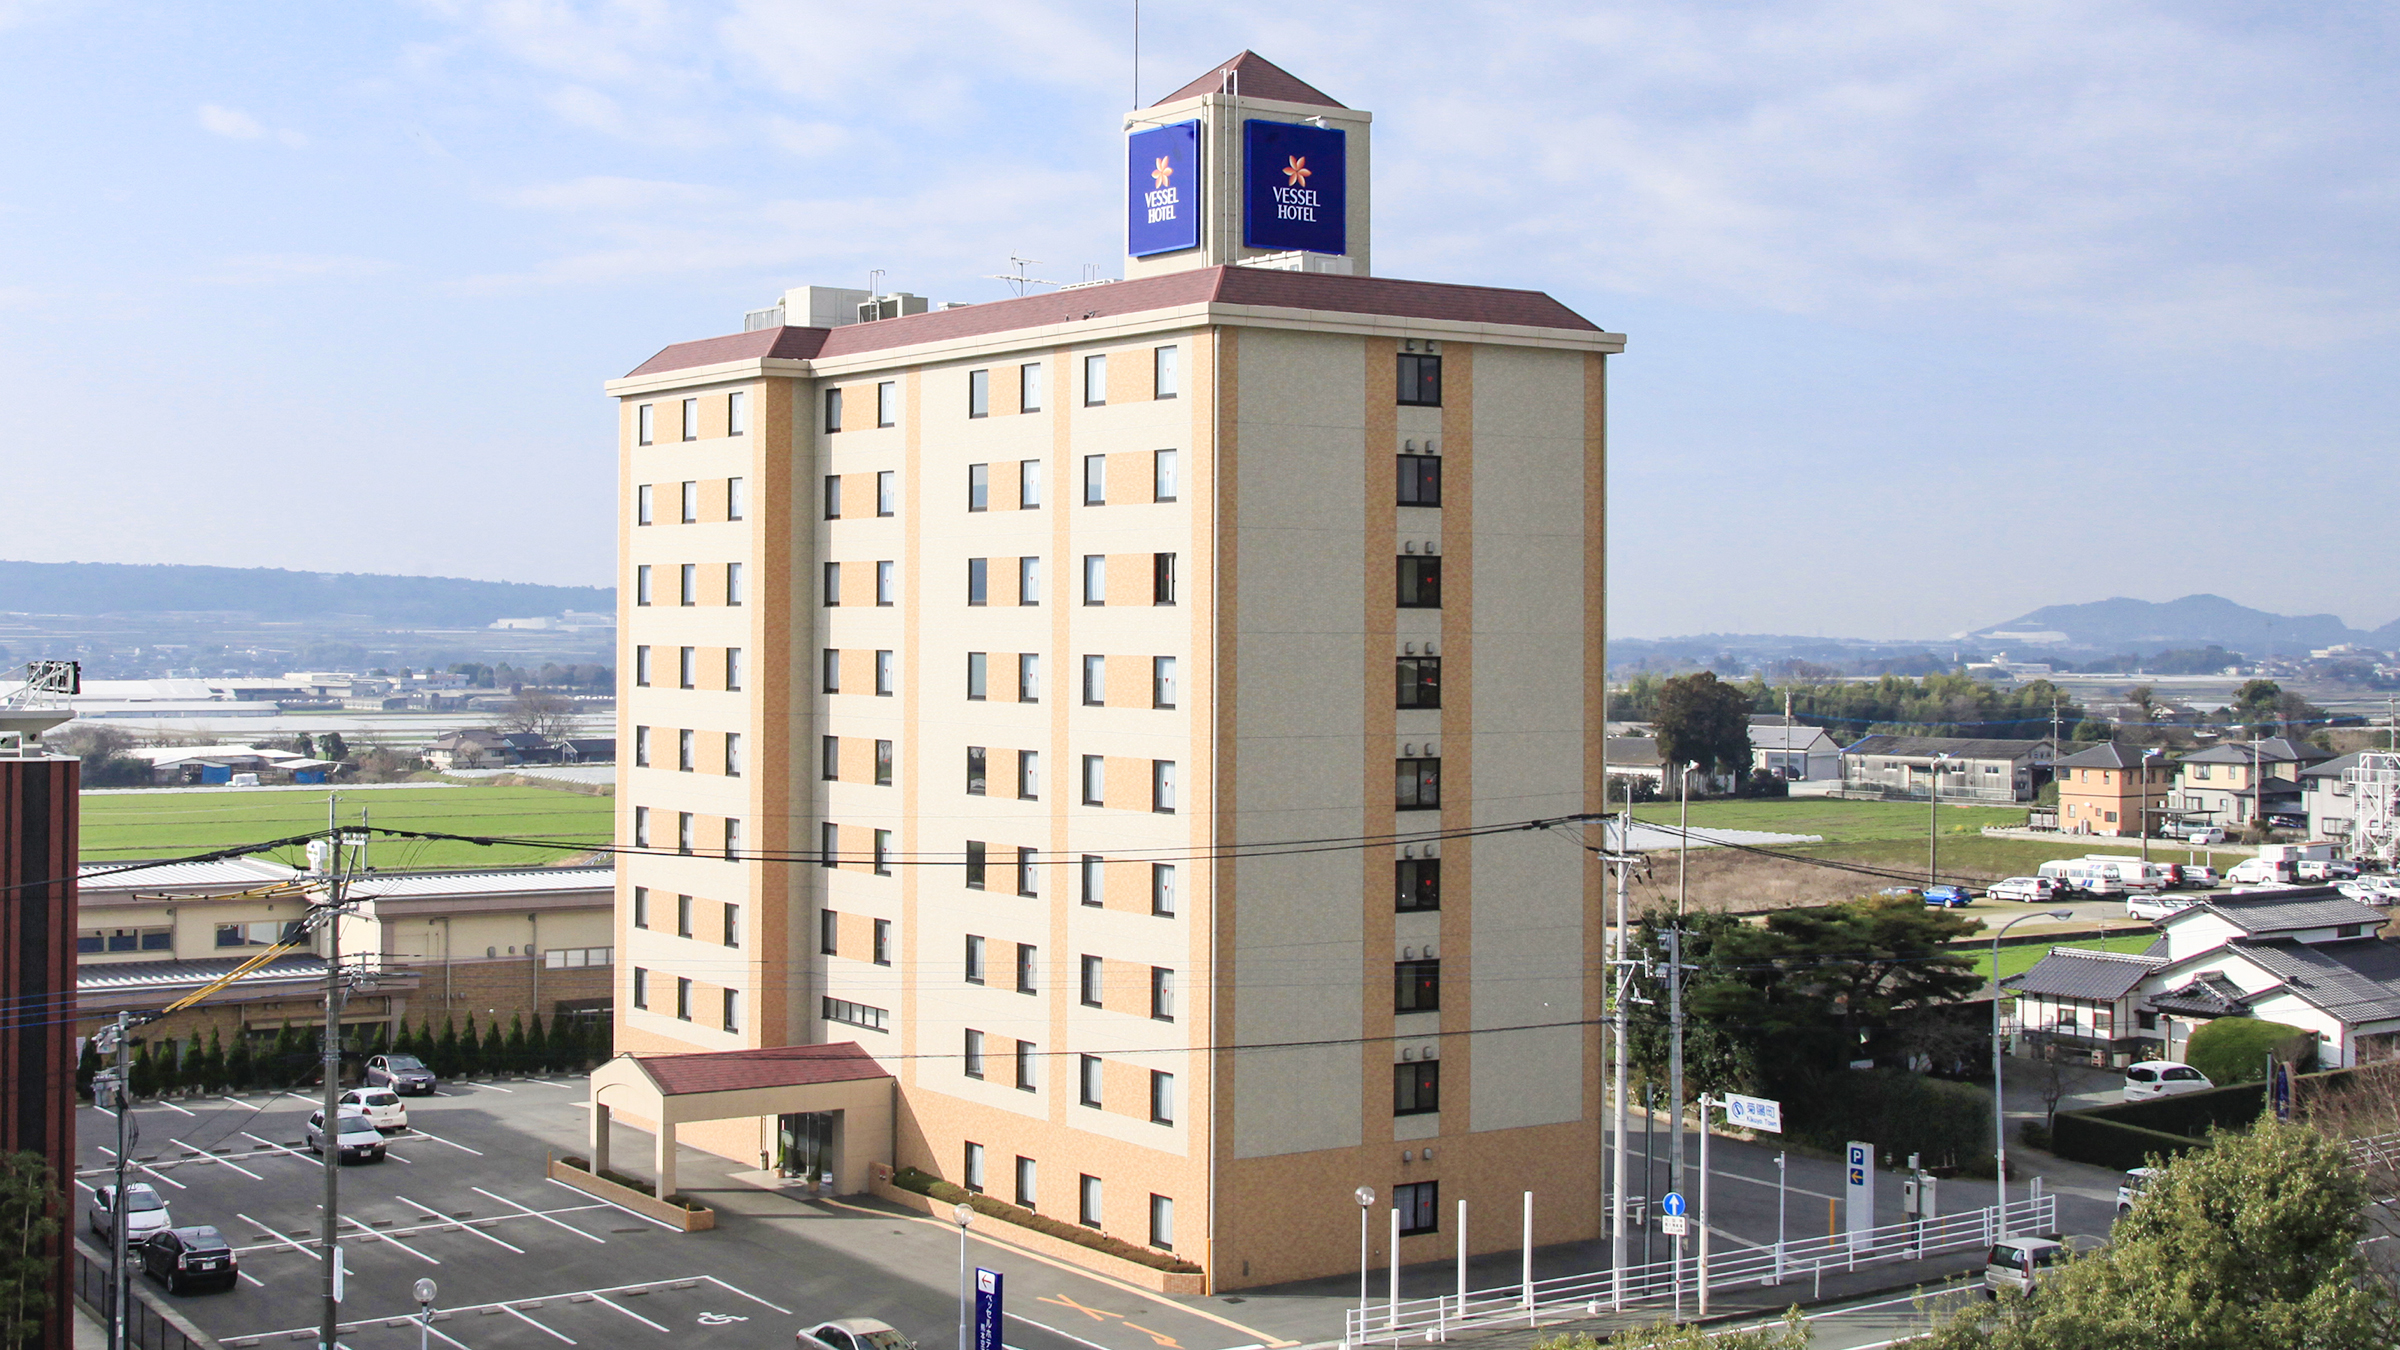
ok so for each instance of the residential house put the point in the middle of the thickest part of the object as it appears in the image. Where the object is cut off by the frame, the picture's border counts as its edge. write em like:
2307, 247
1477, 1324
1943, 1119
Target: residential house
2329, 798
1797, 752
529, 747
1970, 769
588, 750
473, 748
2113, 789
2216, 786
2085, 1001
1636, 758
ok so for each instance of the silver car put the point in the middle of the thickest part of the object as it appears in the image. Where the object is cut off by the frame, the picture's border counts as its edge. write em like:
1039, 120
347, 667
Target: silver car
145, 1213
853, 1333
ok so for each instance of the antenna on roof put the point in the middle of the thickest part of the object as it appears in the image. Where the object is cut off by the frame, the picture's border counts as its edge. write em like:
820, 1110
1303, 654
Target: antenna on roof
1137, 53
1017, 279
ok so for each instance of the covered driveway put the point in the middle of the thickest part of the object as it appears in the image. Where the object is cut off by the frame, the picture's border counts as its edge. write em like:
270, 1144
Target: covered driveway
834, 1099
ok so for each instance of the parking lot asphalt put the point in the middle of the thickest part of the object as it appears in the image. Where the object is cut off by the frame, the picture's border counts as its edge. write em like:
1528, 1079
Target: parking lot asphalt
524, 1262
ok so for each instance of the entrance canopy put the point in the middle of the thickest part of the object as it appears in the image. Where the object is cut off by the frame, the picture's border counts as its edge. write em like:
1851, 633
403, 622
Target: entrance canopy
672, 1090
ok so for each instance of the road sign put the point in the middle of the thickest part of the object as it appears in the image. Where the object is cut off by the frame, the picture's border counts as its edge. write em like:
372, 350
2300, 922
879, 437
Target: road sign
1859, 1194
1754, 1113
1671, 1204
1674, 1225
987, 1309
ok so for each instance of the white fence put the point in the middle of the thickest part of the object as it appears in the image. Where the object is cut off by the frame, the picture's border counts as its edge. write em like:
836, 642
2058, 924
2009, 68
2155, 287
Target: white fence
1594, 1293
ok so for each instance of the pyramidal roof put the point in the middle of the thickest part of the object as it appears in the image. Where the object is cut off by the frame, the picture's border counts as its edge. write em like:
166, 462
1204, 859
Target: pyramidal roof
1261, 78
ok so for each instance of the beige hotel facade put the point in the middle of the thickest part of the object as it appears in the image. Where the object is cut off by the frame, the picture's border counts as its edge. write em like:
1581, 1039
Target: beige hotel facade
1082, 702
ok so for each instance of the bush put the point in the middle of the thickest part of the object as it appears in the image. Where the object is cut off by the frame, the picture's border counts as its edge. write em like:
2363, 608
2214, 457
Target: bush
1949, 1124
926, 1184
2235, 1049
85, 1067
647, 1188
2034, 1134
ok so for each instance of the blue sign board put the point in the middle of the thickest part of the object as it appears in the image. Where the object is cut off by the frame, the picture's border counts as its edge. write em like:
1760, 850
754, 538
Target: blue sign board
1162, 189
1295, 187
1671, 1203
987, 1309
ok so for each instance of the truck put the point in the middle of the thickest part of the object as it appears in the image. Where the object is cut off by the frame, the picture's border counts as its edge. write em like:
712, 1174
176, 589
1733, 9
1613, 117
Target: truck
2321, 851
2083, 876
2259, 872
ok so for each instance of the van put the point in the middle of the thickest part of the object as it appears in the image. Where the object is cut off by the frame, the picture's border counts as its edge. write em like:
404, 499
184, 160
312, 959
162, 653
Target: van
2082, 875
2133, 873
2258, 872
2292, 853
2012, 1263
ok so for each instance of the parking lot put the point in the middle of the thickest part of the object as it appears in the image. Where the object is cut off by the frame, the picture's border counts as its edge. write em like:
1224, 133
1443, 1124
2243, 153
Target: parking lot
522, 1261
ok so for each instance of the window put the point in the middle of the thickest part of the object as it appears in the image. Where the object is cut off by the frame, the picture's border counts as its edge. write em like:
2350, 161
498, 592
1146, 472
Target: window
1029, 877
1162, 578
975, 765
683, 832
1029, 775
1417, 1088
691, 419
1162, 786
979, 487
641, 827
887, 493
642, 504
884, 674
887, 583
1420, 381
577, 958
1162, 681
1162, 1208
1162, 476
691, 503
1420, 582
733, 1009
829, 844
1420, 480
883, 763
734, 588
828, 932
1029, 677
1095, 380
831, 676
975, 864
883, 942
1162, 889
1087, 1084
641, 977
737, 495
971, 1056
1162, 373
733, 754
978, 580
1027, 957
1088, 1203
1417, 986
1029, 483
1095, 578
1025, 1072
1162, 1098
1420, 1205
1420, 682
887, 404
641, 665
1418, 784
1029, 388
978, 666
833, 410
641, 584
1088, 988
1162, 994
833, 585
687, 667
641, 747
883, 864
683, 751
971, 1175
733, 669
644, 422
854, 1014
1419, 882
1095, 480
974, 959
683, 998
1029, 581
641, 908
1088, 880
1095, 780
729, 928
979, 393
1095, 681
1025, 1182
737, 417
833, 496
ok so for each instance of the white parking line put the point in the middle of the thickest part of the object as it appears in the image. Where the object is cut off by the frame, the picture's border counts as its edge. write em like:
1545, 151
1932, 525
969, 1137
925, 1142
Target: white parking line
462, 1345
279, 1238
603, 1300
745, 1294
145, 1167
206, 1156
495, 1087
376, 1233
280, 1148
415, 1133
615, 1206
544, 1216
1062, 1335
172, 1106
563, 1087
457, 1223
536, 1325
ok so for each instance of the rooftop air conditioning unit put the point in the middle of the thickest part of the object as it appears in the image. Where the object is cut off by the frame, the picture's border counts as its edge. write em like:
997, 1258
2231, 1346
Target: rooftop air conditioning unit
896, 305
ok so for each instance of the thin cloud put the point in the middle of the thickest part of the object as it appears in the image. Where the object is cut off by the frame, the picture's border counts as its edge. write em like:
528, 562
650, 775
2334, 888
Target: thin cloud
234, 124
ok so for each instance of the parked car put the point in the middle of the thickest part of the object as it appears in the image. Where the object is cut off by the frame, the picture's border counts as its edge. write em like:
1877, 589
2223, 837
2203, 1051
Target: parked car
2156, 1078
380, 1105
2031, 890
2130, 1189
2082, 874
2154, 906
853, 1333
2196, 876
1901, 892
2324, 869
2259, 872
1948, 897
2201, 834
355, 1137
145, 1213
181, 1258
404, 1074
2013, 1263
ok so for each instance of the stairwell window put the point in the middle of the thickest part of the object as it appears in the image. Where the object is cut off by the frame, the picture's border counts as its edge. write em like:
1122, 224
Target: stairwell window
1420, 582
1417, 1088
1420, 480
1420, 381
1418, 882
1420, 1207
1419, 682
1416, 986
1417, 784
833, 410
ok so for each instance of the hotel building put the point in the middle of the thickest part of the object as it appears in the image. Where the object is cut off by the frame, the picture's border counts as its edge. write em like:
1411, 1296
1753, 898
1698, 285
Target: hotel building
1086, 703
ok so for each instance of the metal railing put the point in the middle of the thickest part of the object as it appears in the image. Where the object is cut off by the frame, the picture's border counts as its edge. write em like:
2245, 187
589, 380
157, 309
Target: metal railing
1593, 1293
148, 1326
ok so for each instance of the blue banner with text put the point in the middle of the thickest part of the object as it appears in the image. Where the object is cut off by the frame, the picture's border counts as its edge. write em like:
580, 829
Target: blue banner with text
1295, 181
1162, 189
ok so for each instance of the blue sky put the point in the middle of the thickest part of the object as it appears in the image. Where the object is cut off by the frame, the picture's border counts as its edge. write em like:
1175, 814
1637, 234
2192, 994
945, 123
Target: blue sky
1938, 313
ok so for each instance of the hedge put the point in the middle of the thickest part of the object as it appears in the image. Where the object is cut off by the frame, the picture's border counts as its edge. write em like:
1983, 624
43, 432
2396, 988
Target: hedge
2235, 1049
2122, 1136
1948, 1124
648, 1188
925, 1183
2090, 1137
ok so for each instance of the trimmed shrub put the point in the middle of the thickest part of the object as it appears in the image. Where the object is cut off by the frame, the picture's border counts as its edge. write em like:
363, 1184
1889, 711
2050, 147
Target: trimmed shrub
1949, 1124
926, 1184
2092, 1137
85, 1067
2235, 1049
241, 1066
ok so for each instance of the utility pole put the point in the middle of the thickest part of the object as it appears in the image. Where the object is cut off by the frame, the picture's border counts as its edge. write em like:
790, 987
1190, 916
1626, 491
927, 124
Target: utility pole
329, 1136
1683, 839
1620, 966
1675, 1080
1933, 821
119, 1276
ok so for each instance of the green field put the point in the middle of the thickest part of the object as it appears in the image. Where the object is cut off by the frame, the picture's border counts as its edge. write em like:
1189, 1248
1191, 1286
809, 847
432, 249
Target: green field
1836, 820
139, 825
2017, 958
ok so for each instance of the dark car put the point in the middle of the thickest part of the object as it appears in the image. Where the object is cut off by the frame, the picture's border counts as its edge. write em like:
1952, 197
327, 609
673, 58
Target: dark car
184, 1259
404, 1074
1948, 897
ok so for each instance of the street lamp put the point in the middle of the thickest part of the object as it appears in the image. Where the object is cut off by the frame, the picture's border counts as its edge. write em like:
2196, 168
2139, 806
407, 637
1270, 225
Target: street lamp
1999, 1099
425, 1291
1366, 1200
963, 1214
1933, 822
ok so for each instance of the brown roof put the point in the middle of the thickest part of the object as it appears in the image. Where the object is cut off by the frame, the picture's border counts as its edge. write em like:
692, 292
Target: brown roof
776, 1066
1261, 78
1322, 291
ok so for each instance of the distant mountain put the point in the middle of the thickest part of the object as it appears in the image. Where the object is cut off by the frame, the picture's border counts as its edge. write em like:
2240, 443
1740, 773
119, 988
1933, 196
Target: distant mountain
273, 593
2194, 621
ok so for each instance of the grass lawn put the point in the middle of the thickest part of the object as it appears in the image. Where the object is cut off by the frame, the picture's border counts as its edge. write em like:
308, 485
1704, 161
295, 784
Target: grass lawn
130, 826
2017, 958
1837, 821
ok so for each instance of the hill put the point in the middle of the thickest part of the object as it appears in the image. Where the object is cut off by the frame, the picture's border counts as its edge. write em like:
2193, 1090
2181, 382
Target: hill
273, 593
2194, 621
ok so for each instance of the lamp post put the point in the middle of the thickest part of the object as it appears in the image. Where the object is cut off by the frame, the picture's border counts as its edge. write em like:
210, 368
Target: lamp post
1365, 1195
425, 1291
963, 1214
2000, 1099
1933, 822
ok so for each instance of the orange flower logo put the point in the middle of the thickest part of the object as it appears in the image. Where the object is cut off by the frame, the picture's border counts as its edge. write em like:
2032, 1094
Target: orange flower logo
1161, 173
1296, 171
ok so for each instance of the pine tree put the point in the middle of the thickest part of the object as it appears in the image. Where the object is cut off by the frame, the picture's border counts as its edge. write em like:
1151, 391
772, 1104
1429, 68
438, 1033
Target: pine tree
283, 1061
145, 1072
473, 1056
445, 1051
512, 1052
537, 1048
241, 1066
402, 1044
212, 1064
86, 1067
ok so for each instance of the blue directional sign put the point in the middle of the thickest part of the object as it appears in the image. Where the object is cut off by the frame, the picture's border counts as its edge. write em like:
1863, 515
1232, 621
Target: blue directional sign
987, 1309
1671, 1204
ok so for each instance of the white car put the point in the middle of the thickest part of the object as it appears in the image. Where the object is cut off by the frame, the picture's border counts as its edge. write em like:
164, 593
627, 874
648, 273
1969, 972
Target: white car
852, 1333
355, 1138
2013, 1263
2031, 890
378, 1104
2203, 834
2153, 906
145, 1213
2130, 1189
2157, 1078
